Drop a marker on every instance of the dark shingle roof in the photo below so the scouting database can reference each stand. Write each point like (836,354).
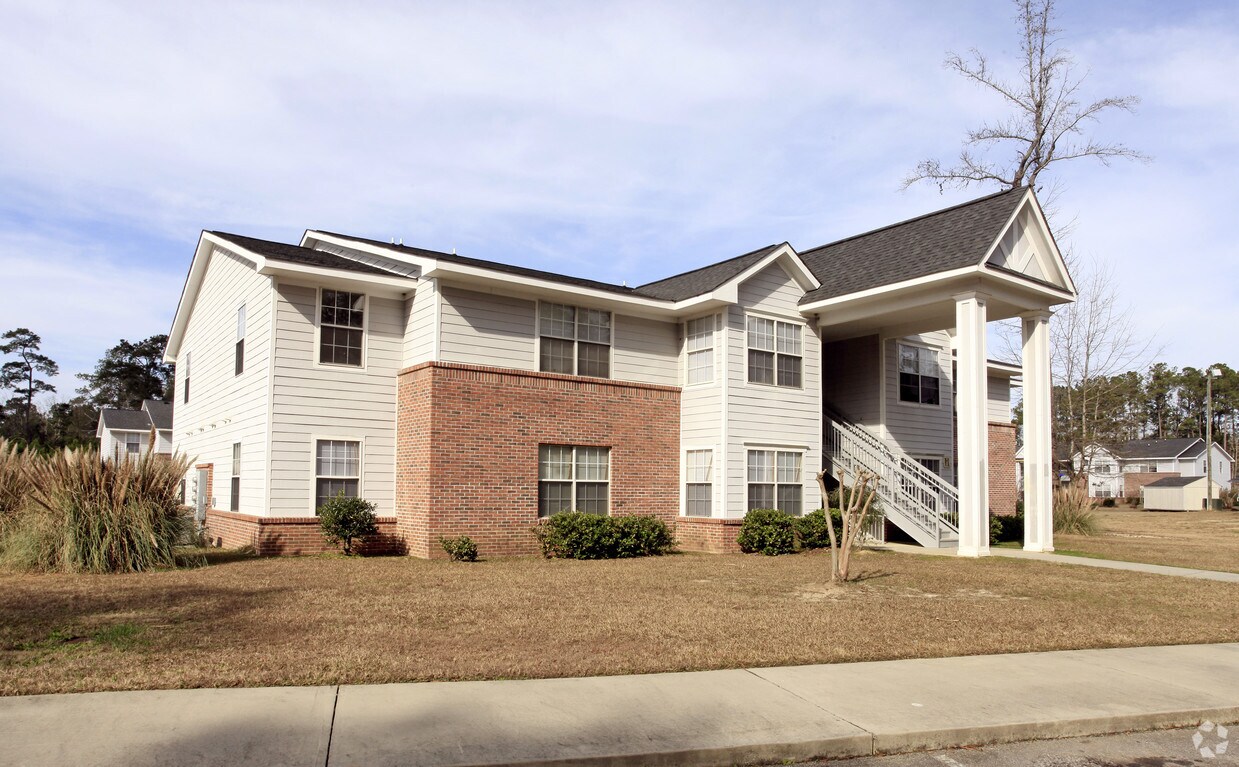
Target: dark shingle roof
(295,254)
(937,242)
(491,265)
(1159,448)
(160,413)
(1174,481)
(705,279)
(129,420)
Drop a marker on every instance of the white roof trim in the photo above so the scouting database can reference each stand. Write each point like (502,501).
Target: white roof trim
(827,303)
(1030,200)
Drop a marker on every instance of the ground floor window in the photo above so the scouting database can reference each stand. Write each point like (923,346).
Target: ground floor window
(133,444)
(698,482)
(574,478)
(337,469)
(235,490)
(774,480)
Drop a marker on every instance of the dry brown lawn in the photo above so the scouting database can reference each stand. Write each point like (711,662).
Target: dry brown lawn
(1207,540)
(319,620)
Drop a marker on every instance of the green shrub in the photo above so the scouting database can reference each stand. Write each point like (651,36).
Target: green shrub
(811,530)
(577,535)
(836,498)
(638,536)
(769,531)
(1072,512)
(84,514)
(460,549)
(344,520)
(1107,503)
(1004,528)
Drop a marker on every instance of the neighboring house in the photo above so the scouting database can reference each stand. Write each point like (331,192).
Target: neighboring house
(1180,493)
(135,432)
(464,396)
(1121,471)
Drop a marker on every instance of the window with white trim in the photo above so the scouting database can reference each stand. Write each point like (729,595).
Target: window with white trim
(337,469)
(698,482)
(774,480)
(776,352)
(574,479)
(185,392)
(699,351)
(133,444)
(341,328)
(919,379)
(235,486)
(574,341)
(239,361)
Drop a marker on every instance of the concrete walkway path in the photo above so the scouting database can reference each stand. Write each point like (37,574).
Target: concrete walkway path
(1065,559)
(700,718)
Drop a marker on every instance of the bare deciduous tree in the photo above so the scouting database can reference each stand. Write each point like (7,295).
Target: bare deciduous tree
(855,504)
(1047,121)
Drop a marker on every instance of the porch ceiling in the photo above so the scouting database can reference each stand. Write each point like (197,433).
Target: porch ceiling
(928,304)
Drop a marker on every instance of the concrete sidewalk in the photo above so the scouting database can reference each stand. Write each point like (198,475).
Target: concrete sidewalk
(1066,559)
(712,717)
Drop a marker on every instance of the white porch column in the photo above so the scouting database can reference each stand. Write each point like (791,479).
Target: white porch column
(1038,450)
(970,319)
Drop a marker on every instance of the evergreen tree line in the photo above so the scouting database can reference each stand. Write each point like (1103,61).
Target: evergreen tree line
(127,374)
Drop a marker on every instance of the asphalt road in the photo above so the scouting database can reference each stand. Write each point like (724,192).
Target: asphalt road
(1164,748)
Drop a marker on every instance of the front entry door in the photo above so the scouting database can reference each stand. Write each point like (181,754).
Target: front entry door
(200,503)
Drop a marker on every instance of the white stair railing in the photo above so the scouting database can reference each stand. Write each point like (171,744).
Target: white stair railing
(909,492)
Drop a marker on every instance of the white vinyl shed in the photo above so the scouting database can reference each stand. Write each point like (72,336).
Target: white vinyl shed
(1178,494)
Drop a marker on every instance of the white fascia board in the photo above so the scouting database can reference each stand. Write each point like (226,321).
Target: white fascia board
(372,283)
(830,303)
(447,270)
(189,292)
(786,255)
(392,252)
(1030,200)
(1003,368)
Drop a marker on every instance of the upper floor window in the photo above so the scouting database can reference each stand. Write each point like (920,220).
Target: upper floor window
(574,341)
(185,391)
(699,351)
(698,482)
(775,352)
(774,480)
(341,328)
(239,363)
(573,479)
(918,375)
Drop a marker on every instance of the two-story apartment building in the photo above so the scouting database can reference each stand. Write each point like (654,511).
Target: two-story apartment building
(464,396)
(1121,471)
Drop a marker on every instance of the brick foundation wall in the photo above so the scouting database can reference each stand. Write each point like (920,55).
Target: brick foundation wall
(467,450)
(1002,490)
(1134,483)
(715,536)
(275,536)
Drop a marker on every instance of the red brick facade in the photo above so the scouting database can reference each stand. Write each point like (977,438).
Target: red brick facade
(467,450)
(1002,490)
(1135,482)
(708,534)
(273,536)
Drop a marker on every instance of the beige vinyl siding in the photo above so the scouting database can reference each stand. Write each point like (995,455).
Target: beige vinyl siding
(312,401)
(487,329)
(163,442)
(645,350)
(420,329)
(112,444)
(225,408)
(852,379)
(920,429)
(998,402)
(771,416)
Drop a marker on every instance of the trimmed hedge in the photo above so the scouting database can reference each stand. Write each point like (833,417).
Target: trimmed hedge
(460,549)
(769,531)
(812,531)
(577,535)
(1006,527)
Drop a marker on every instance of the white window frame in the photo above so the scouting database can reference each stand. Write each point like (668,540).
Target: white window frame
(314,475)
(234,496)
(185,381)
(942,398)
(801,452)
(576,357)
(137,440)
(688,478)
(318,331)
(238,360)
(777,320)
(574,480)
(689,352)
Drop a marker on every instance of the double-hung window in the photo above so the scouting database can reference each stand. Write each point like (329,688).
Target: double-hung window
(776,352)
(574,341)
(186,377)
(133,444)
(699,350)
(337,469)
(918,375)
(698,482)
(239,362)
(573,479)
(775,480)
(235,489)
(342,322)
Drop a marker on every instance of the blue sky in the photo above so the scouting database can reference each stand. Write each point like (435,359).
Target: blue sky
(618,141)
